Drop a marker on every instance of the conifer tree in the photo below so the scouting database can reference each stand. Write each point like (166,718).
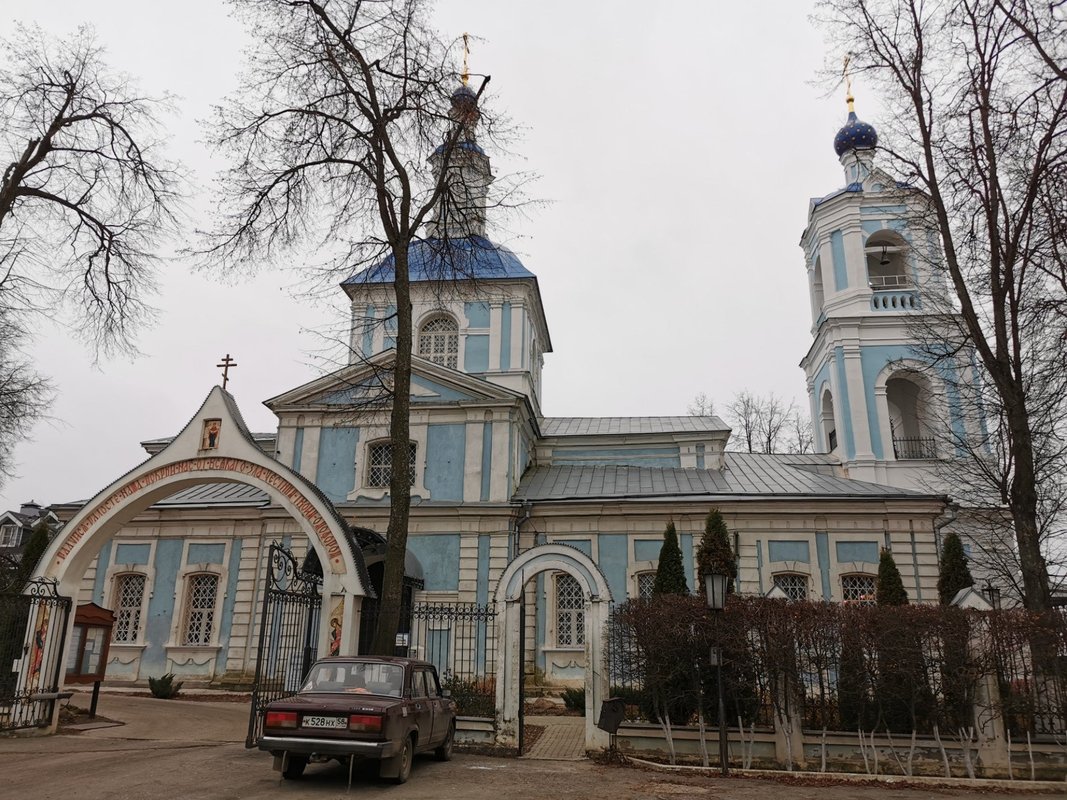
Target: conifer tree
(670,574)
(890,589)
(715,554)
(954,574)
(32,552)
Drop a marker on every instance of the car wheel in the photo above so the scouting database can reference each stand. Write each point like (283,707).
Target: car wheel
(444,752)
(295,768)
(406,759)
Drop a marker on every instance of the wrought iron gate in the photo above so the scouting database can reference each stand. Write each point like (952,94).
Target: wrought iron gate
(288,634)
(33,629)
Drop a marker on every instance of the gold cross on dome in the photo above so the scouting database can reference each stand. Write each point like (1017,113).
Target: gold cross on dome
(466,76)
(225,366)
(848,82)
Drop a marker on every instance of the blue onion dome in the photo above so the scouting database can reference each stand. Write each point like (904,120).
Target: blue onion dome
(855,135)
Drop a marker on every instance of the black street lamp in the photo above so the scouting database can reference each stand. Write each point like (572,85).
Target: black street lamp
(715,590)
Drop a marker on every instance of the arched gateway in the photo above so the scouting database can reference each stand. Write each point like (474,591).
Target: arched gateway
(215,447)
(508,598)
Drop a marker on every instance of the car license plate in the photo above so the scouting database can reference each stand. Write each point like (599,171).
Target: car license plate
(325,722)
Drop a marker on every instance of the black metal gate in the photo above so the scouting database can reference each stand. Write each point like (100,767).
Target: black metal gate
(288,634)
(33,630)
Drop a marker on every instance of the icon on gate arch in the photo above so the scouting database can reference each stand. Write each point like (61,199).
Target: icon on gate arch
(209,439)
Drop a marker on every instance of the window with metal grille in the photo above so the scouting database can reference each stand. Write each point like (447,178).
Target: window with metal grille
(380,463)
(858,589)
(795,586)
(570,614)
(200,609)
(129,595)
(439,341)
(645,582)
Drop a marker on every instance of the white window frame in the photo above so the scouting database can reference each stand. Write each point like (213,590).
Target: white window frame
(575,615)
(800,576)
(869,598)
(9,534)
(448,356)
(188,610)
(137,617)
(371,466)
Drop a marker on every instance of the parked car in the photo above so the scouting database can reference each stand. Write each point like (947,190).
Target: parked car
(366,707)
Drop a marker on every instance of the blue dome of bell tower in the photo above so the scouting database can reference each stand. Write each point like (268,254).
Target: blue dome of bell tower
(855,134)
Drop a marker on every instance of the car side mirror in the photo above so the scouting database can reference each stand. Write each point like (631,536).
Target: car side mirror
(446,693)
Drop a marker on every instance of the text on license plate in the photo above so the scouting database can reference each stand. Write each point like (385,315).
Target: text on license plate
(325,722)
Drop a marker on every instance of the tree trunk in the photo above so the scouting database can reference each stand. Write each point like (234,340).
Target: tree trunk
(399,479)
(1036,594)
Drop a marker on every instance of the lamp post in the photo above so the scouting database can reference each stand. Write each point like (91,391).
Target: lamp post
(715,590)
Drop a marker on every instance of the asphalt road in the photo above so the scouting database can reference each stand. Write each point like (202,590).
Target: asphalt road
(193,750)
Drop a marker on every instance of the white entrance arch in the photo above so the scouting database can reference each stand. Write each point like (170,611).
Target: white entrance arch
(215,447)
(544,558)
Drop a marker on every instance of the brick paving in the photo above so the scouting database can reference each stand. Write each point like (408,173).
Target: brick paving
(563,739)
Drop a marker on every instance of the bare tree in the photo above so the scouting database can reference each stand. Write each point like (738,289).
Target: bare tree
(85,198)
(761,424)
(349,141)
(977,103)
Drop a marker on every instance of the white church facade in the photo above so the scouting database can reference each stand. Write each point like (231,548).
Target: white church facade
(492,476)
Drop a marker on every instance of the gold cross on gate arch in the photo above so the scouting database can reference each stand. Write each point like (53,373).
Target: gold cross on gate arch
(225,365)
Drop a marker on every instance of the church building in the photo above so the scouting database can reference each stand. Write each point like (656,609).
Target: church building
(492,476)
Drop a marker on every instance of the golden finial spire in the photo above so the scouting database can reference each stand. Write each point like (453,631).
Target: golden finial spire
(848,84)
(466,76)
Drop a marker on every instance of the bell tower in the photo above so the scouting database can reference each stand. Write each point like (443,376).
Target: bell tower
(886,410)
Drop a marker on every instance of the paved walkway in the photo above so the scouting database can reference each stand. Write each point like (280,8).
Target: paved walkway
(563,739)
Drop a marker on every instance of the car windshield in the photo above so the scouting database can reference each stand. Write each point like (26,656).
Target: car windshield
(356,677)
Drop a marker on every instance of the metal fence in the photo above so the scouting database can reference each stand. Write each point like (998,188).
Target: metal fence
(33,628)
(460,640)
(837,667)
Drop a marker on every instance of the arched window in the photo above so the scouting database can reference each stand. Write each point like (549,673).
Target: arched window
(201,595)
(858,589)
(887,266)
(128,599)
(795,586)
(829,427)
(380,463)
(439,341)
(570,614)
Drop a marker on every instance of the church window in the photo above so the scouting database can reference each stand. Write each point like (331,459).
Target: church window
(645,582)
(795,586)
(129,597)
(886,254)
(9,535)
(570,614)
(858,589)
(439,341)
(380,463)
(200,610)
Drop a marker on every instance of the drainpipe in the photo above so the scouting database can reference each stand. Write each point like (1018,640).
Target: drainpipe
(949,516)
(513,545)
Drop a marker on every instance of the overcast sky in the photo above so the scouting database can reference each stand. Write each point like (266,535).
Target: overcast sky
(678,144)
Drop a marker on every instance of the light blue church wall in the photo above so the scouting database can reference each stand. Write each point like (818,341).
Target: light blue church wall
(161,606)
(863,552)
(440,392)
(646,550)
(130,554)
(368,331)
(445,449)
(476,354)
(788,551)
(477,314)
(390,327)
(102,562)
(199,553)
(611,547)
(439,555)
(336,474)
(619,456)
(873,360)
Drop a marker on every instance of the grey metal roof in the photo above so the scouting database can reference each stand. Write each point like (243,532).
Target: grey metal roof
(746,475)
(601,426)
(216,494)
